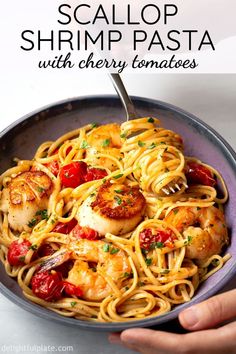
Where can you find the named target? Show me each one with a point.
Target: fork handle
(125, 99)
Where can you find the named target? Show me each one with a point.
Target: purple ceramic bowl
(23, 137)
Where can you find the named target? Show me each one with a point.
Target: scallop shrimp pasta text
(112, 223)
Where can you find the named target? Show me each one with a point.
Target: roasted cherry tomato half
(17, 252)
(47, 285)
(71, 289)
(94, 174)
(147, 239)
(53, 166)
(73, 174)
(65, 228)
(45, 250)
(199, 174)
(85, 232)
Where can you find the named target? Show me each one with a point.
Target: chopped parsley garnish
(33, 247)
(141, 283)
(106, 247)
(118, 199)
(92, 194)
(176, 211)
(22, 258)
(188, 241)
(40, 189)
(165, 271)
(73, 303)
(150, 120)
(126, 288)
(123, 135)
(43, 213)
(198, 208)
(94, 269)
(94, 125)
(148, 261)
(152, 146)
(156, 245)
(84, 144)
(118, 176)
(215, 262)
(114, 250)
(126, 274)
(141, 143)
(118, 191)
(144, 252)
(106, 143)
(32, 222)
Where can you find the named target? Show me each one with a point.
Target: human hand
(201, 319)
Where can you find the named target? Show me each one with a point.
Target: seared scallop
(116, 208)
(25, 194)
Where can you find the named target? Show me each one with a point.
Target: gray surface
(213, 99)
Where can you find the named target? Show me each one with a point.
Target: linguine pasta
(160, 237)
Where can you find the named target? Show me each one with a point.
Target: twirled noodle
(161, 254)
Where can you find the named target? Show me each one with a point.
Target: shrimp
(110, 260)
(91, 259)
(105, 140)
(204, 227)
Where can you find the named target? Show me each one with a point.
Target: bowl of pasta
(106, 224)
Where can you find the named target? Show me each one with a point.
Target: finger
(217, 341)
(210, 312)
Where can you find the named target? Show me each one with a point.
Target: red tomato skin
(71, 289)
(53, 166)
(47, 286)
(73, 174)
(65, 228)
(85, 232)
(45, 250)
(94, 174)
(17, 251)
(199, 174)
(146, 238)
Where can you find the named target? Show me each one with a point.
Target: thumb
(210, 312)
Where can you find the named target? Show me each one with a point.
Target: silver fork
(132, 114)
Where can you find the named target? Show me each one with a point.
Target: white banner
(179, 36)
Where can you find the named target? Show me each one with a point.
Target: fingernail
(189, 317)
(114, 339)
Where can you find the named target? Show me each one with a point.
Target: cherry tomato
(85, 232)
(71, 289)
(45, 250)
(47, 285)
(94, 174)
(53, 166)
(65, 228)
(146, 238)
(17, 252)
(199, 174)
(73, 174)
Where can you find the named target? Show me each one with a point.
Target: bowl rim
(148, 322)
